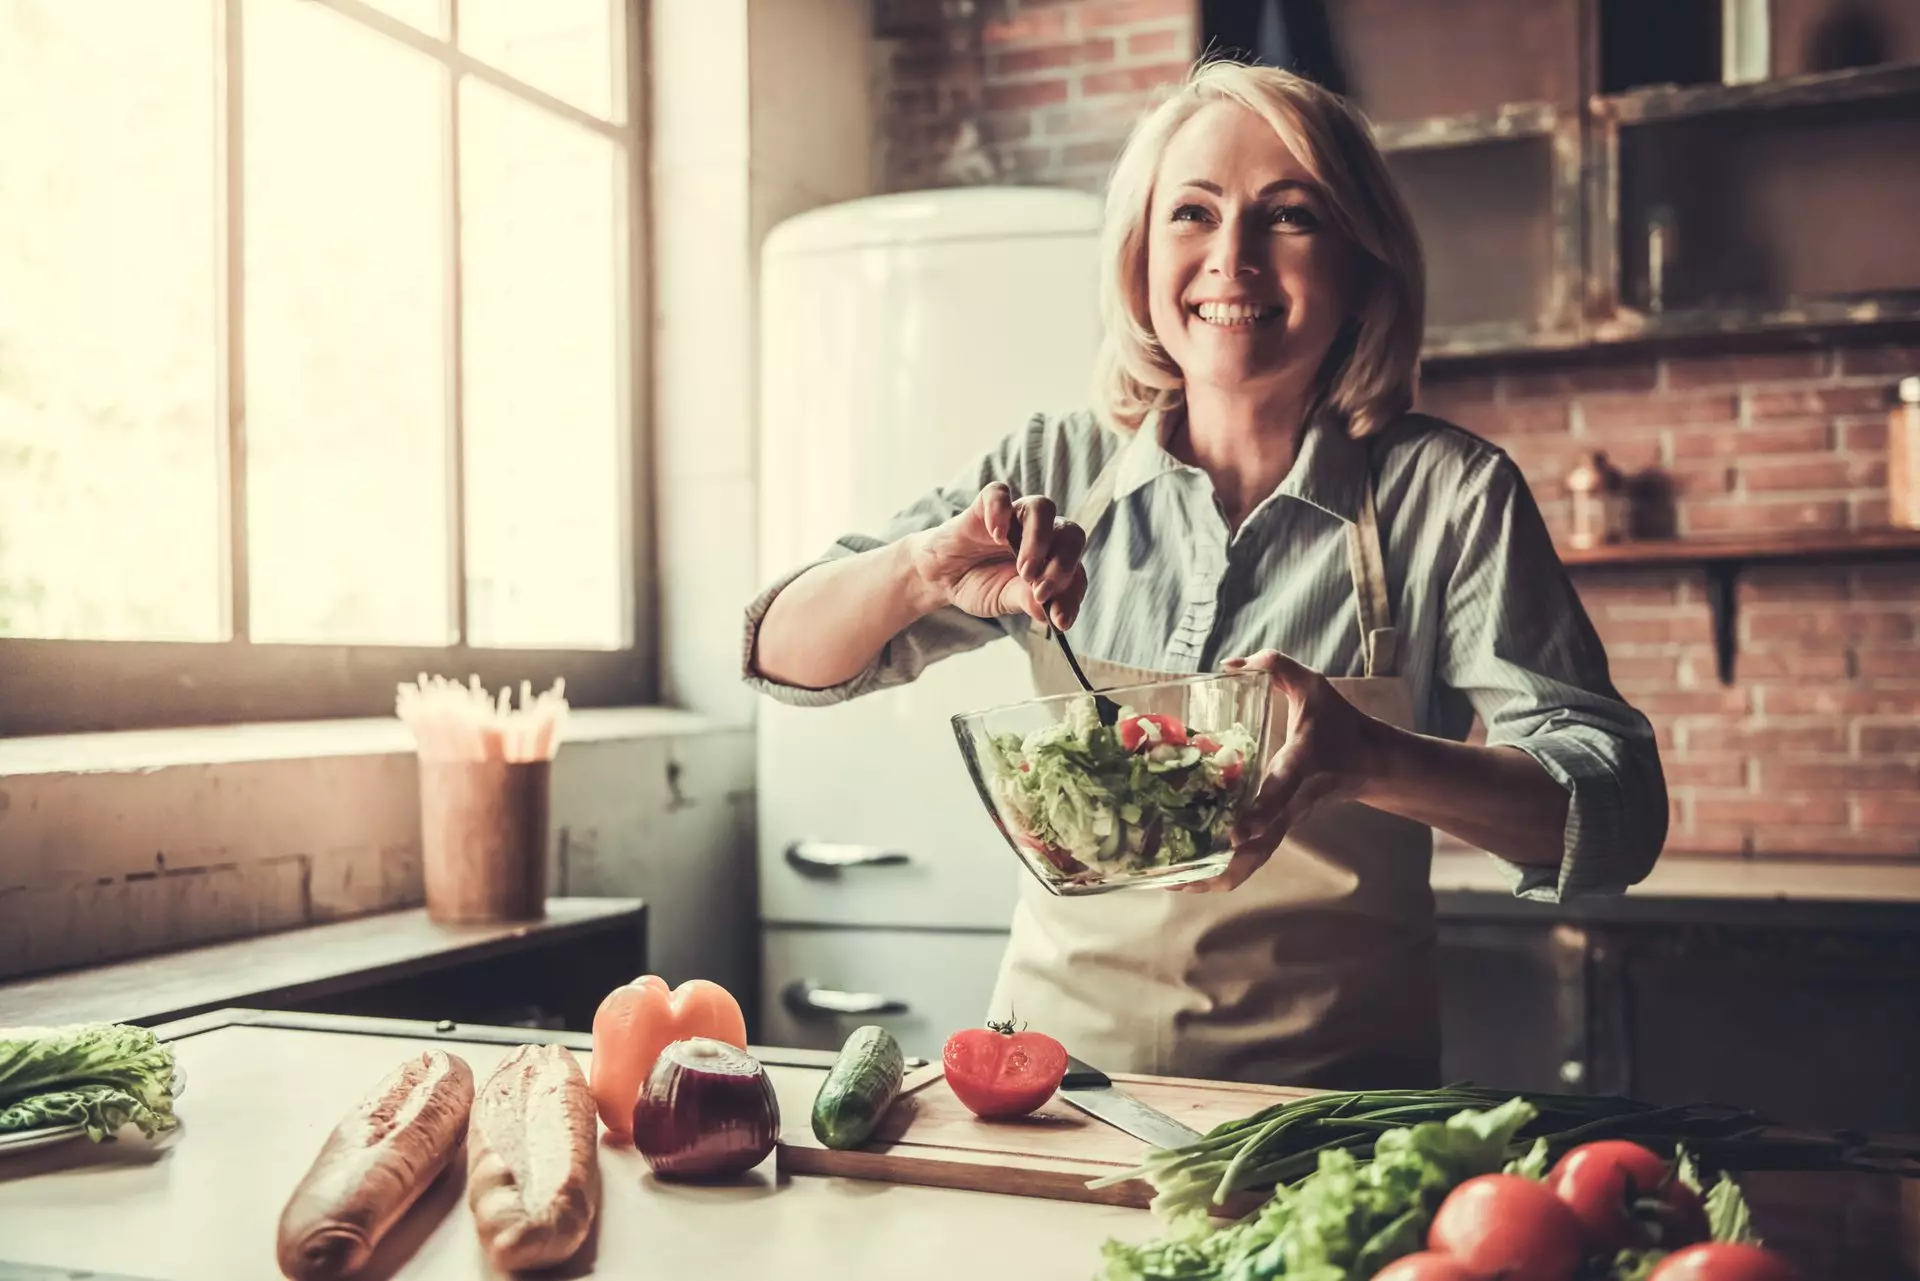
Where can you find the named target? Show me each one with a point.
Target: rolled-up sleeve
(1518, 644)
(1014, 462)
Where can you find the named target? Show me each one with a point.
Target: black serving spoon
(1105, 708)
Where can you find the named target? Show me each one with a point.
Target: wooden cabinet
(1496, 199)
(1581, 172)
(1758, 207)
(1801, 1011)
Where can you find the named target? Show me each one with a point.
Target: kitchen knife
(1089, 1089)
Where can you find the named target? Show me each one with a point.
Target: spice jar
(1599, 501)
(1903, 457)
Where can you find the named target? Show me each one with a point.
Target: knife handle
(1083, 1076)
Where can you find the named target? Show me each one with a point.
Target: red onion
(706, 1111)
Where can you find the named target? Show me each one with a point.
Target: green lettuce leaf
(1634, 1265)
(1534, 1165)
(101, 1075)
(1346, 1220)
(1727, 1215)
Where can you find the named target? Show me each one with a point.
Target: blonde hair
(1369, 374)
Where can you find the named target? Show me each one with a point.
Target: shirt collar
(1330, 473)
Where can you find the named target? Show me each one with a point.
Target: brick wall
(1020, 91)
(1816, 748)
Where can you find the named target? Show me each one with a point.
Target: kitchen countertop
(202, 1204)
(1676, 876)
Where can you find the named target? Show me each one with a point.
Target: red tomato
(1505, 1226)
(1000, 1073)
(1428, 1265)
(1061, 860)
(1231, 774)
(1625, 1195)
(1133, 734)
(1722, 1261)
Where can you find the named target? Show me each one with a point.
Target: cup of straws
(485, 777)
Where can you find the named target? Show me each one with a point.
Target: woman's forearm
(1496, 798)
(827, 625)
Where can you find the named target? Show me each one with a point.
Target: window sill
(139, 751)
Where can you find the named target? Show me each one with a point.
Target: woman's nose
(1233, 256)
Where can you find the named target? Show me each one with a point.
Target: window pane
(429, 16)
(541, 224)
(565, 47)
(109, 447)
(345, 332)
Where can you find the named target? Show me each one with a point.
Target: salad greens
(1345, 1221)
(1353, 1215)
(101, 1075)
(1144, 793)
(1282, 1143)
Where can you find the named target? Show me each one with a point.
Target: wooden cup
(483, 828)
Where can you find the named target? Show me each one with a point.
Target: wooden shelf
(1672, 102)
(1631, 324)
(1511, 122)
(1840, 544)
(1721, 559)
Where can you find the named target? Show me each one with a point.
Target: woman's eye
(1189, 213)
(1295, 218)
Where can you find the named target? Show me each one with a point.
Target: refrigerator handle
(805, 1000)
(826, 859)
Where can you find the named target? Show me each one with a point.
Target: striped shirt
(1488, 622)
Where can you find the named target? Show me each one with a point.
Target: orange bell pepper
(635, 1022)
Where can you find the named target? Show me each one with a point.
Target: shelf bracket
(1722, 576)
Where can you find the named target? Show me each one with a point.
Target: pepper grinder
(1598, 501)
(1903, 457)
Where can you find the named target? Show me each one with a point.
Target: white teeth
(1225, 313)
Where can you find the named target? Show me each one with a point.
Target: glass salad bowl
(1148, 801)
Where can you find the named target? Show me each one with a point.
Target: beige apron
(1318, 970)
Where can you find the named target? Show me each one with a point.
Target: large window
(316, 355)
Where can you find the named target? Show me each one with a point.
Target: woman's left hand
(1328, 755)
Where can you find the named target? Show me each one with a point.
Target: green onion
(1282, 1144)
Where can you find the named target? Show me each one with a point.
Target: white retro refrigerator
(901, 336)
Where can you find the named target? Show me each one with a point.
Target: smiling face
(1248, 279)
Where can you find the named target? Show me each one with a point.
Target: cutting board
(928, 1137)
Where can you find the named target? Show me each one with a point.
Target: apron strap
(1379, 643)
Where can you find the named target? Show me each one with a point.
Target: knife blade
(1088, 1088)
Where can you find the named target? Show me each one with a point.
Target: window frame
(54, 686)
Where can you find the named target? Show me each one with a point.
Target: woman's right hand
(1000, 556)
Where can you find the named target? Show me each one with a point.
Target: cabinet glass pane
(1765, 208)
(1485, 215)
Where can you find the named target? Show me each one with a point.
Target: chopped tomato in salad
(1150, 731)
(1144, 793)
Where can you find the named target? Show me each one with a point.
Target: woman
(1253, 492)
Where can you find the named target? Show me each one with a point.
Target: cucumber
(859, 1087)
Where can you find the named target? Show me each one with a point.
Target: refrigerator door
(902, 337)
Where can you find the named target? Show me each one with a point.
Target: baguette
(376, 1163)
(533, 1169)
